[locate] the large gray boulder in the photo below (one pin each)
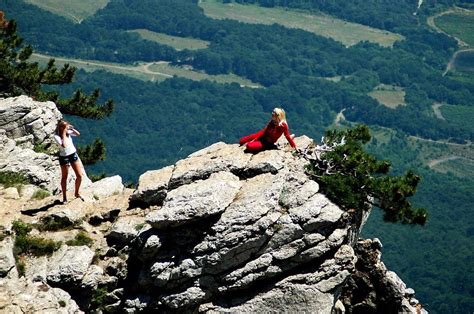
(7, 261)
(28, 121)
(68, 265)
(26, 296)
(238, 232)
(24, 124)
(40, 169)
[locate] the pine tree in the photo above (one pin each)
(354, 179)
(18, 76)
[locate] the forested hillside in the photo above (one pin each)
(313, 77)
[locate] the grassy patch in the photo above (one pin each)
(389, 95)
(340, 30)
(178, 43)
(155, 72)
(55, 224)
(81, 238)
(40, 148)
(40, 194)
(99, 298)
(10, 178)
(461, 116)
(465, 61)
(29, 245)
(96, 177)
(71, 9)
(35, 246)
(464, 77)
(456, 166)
(438, 156)
(459, 24)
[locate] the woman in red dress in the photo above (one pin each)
(266, 138)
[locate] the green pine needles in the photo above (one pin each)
(21, 77)
(18, 76)
(354, 179)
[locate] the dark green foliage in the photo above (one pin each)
(85, 106)
(21, 77)
(21, 228)
(10, 178)
(35, 246)
(435, 260)
(96, 177)
(92, 153)
(18, 76)
(81, 238)
(156, 124)
(55, 224)
(25, 244)
(357, 180)
(99, 298)
(40, 194)
(20, 266)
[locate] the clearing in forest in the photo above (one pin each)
(459, 24)
(154, 71)
(75, 10)
(345, 32)
(389, 95)
(178, 43)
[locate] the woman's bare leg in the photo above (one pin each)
(64, 173)
(76, 166)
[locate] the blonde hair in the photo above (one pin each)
(280, 113)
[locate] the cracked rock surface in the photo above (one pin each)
(239, 232)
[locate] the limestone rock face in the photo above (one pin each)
(28, 121)
(219, 231)
(237, 232)
(25, 296)
(373, 288)
(7, 261)
(39, 168)
(25, 123)
(69, 265)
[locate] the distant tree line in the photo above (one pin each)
(288, 60)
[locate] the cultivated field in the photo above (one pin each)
(459, 24)
(439, 156)
(155, 71)
(340, 30)
(178, 43)
(389, 95)
(460, 115)
(465, 61)
(75, 10)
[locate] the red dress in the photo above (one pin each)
(266, 137)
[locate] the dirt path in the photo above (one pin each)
(431, 22)
(436, 162)
(339, 117)
(437, 112)
(450, 65)
(142, 68)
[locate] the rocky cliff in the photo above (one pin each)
(219, 231)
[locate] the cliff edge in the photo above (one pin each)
(219, 231)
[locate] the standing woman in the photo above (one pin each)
(68, 156)
(266, 138)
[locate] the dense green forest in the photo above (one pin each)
(154, 124)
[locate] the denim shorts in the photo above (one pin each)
(66, 160)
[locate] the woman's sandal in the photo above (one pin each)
(80, 197)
